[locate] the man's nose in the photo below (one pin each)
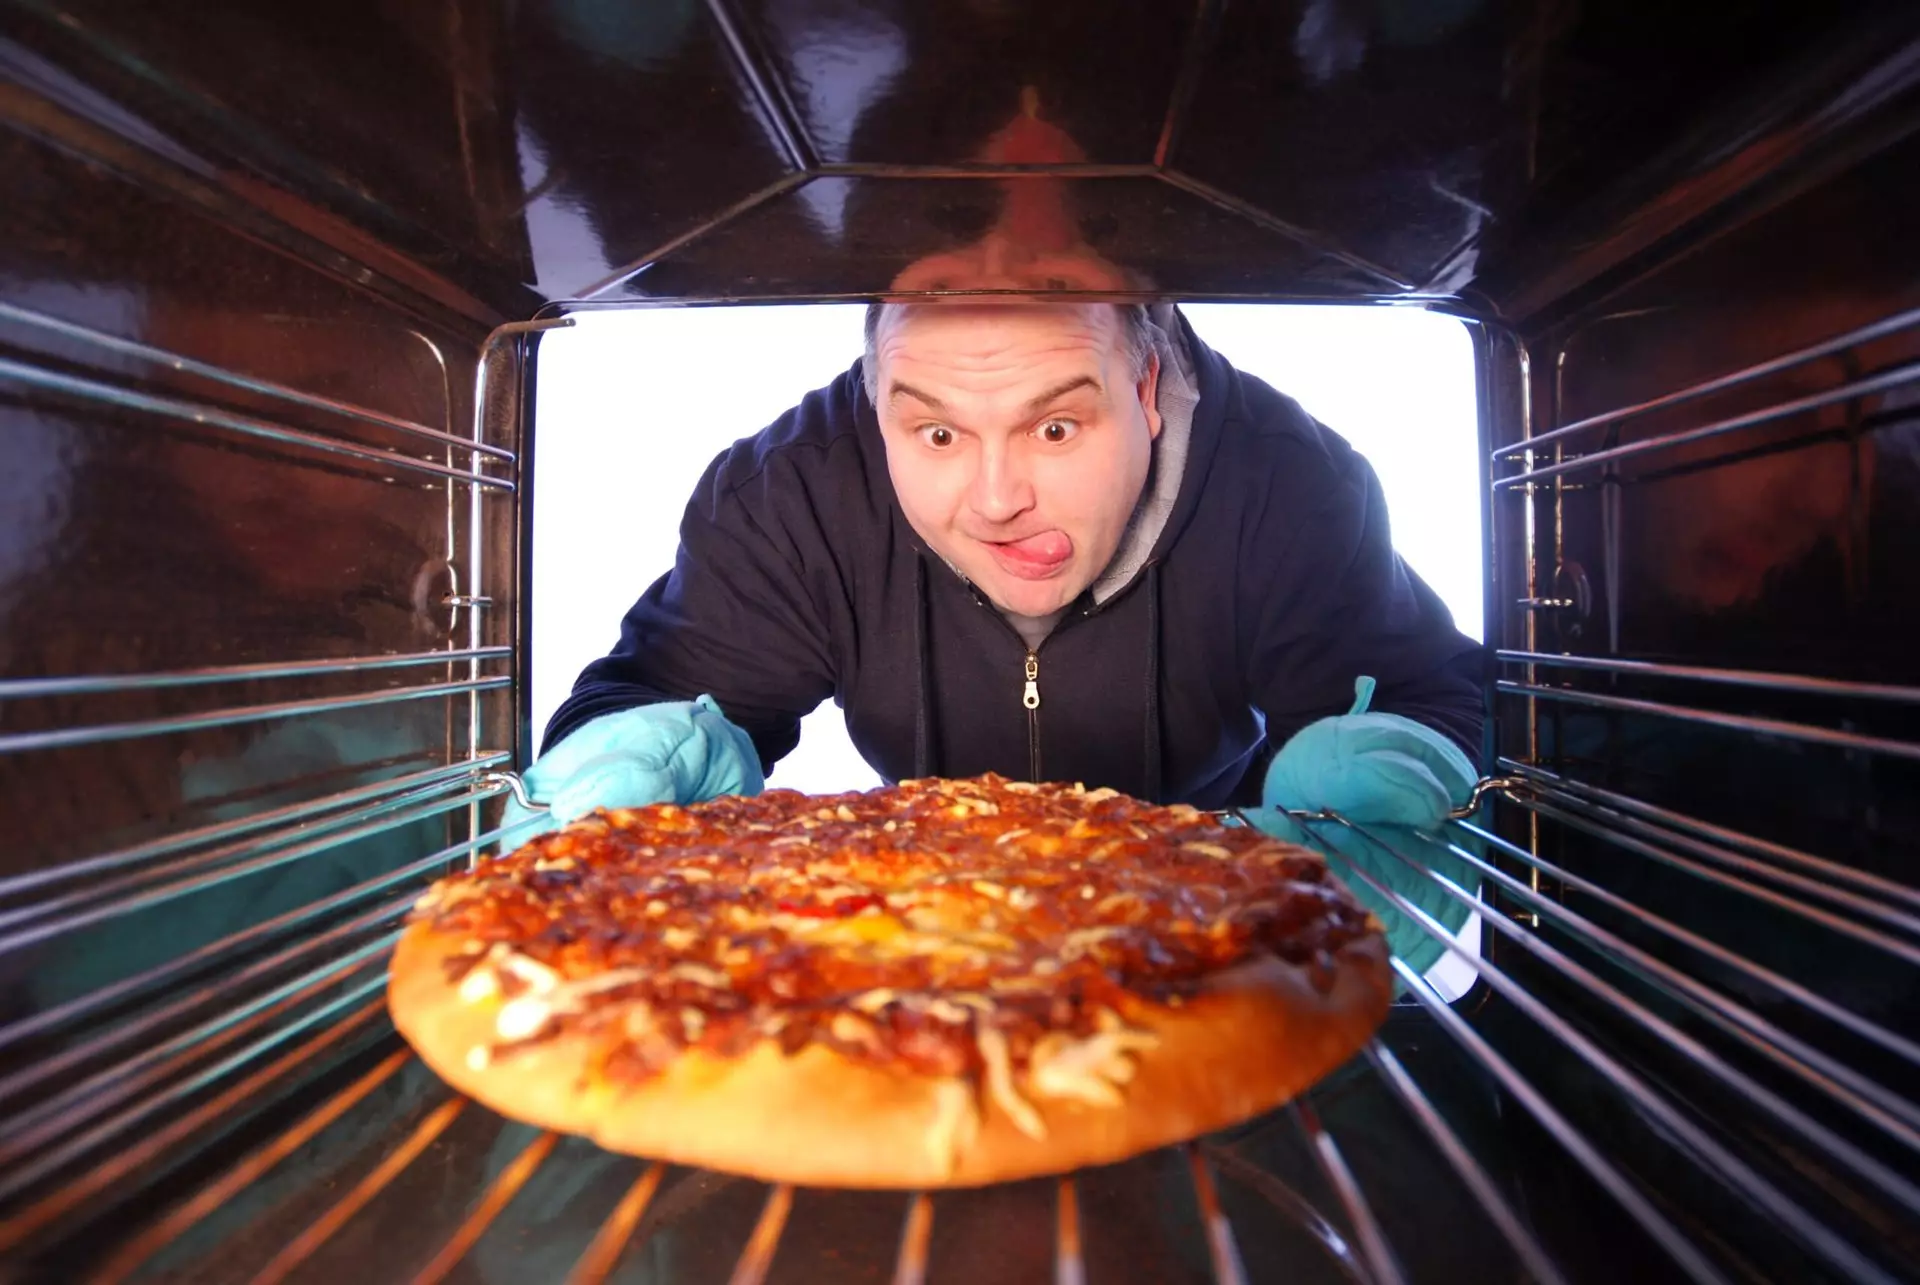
(1002, 485)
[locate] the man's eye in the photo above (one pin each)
(1057, 431)
(938, 436)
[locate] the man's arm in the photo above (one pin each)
(1331, 601)
(733, 620)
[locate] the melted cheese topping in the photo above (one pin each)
(993, 1051)
(955, 1122)
(993, 936)
(1087, 1070)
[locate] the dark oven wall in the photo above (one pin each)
(238, 506)
(1773, 526)
(1713, 665)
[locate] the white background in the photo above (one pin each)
(633, 406)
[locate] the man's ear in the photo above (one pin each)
(1148, 389)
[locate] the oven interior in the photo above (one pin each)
(272, 287)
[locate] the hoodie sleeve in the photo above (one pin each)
(1334, 601)
(733, 619)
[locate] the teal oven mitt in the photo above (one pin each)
(1370, 768)
(1401, 781)
(676, 752)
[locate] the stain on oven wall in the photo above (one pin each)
(1790, 545)
(136, 543)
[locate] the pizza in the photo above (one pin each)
(940, 983)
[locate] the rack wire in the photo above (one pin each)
(81, 388)
(92, 339)
(64, 737)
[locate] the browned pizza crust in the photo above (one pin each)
(1252, 1038)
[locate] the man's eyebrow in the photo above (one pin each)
(931, 402)
(1075, 384)
(1033, 407)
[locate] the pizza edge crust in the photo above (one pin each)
(1256, 1036)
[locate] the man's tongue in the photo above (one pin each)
(1048, 549)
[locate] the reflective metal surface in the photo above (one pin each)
(491, 156)
(970, 234)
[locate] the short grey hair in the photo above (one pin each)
(1136, 340)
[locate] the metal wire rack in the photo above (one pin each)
(1370, 1258)
(153, 1100)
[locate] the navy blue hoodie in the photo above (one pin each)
(1272, 586)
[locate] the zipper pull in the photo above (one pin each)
(1031, 697)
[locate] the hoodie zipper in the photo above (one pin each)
(1030, 673)
(1030, 699)
(1030, 666)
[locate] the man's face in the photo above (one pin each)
(1018, 438)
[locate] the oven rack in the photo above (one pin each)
(1367, 1258)
(622, 1228)
(78, 1143)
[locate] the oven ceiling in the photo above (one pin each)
(1505, 153)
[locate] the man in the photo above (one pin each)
(1055, 540)
(1062, 541)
